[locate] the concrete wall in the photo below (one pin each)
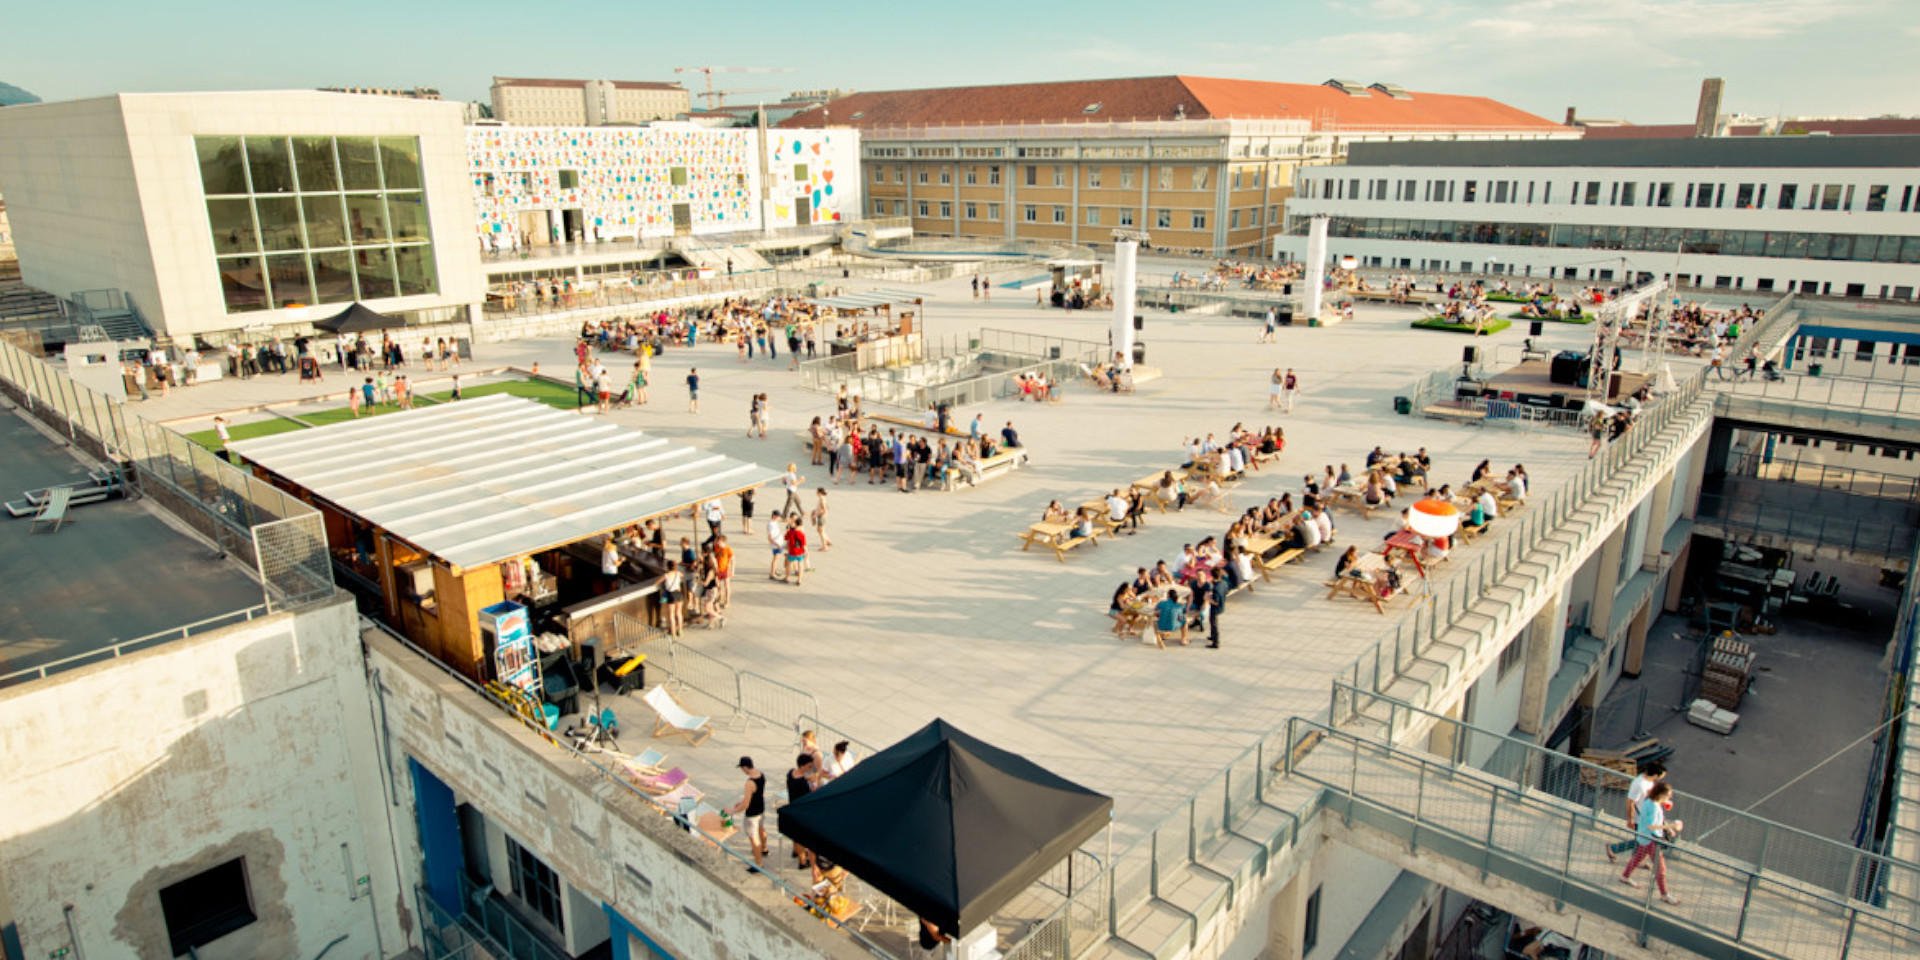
(67, 171)
(129, 775)
(607, 844)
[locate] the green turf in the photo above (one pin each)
(244, 431)
(1499, 297)
(551, 394)
(1552, 317)
(1491, 327)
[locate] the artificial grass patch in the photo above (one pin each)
(1552, 317)
(245, 431)
(1489, 328)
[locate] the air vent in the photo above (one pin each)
(1393, 90)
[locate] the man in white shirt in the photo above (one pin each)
(1117, 510)
(1488, 505)
(1517, 485)
(777, 540)
(1642, 784)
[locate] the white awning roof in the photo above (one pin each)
(488, 479)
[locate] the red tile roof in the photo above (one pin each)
(1162, 98)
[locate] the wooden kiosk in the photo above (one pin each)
(434, 515)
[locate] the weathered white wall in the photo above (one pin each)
(607, 843)
(126, 776)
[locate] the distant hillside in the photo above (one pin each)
(10, 95)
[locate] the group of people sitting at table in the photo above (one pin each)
(1240, 452)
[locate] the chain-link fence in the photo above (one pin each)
(218, 500)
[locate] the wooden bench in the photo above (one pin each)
(1055, 537)
(1281, 559)
(1006, 461)
(54, 510)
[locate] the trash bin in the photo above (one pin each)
(1403, 405)
(1139, 352)
(1813, 370)
(1053, 353)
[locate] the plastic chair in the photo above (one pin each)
(551, 714)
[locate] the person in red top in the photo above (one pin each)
(796, 552)
(723, 568)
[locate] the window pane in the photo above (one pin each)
(232, 222)
(416, 270)
(333, 277)
(367, 219)
(359, 165)
(326, 220)
(373, 268)
(222, 168)
(279, 221)
(241, 283)
(288, 274)
(313, 160)
(272, 169)
(409, 213)
(400, 156)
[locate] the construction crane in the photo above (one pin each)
(713, 96)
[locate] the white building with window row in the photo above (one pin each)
(1835, 216)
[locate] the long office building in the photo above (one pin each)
(570, 103)
(1836, 216)
(1197, 163)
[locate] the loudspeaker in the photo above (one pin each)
(1567, 367)
(1285, 315)
(1536, 328)
(1469, 354)
(1139, 322)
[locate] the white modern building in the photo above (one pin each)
(1818, 215)
(219, 211)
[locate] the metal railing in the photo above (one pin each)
(1832, 393)
(1766, 846)
(121, 648)
(1827, 476)
(1838, 361)
(224, 503)
(1546, 514)
(1749, 520)
(1551, 845)
(483, 930)
(786, 891)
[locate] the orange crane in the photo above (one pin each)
(713, 96)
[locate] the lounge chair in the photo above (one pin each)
(675, 719)
(648, 764)
(680, 799)
(661, 784)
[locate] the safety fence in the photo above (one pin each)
(124, 647)
(1504, 825)
(1749, 520)
(222, 502)
(485, 929)
(1840, 394)
(1769, 465)
(1836, 868)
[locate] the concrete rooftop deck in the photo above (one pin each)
(926, 607)
(92, 583)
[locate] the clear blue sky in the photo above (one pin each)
(1637, 59)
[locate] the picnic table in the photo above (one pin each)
(1054, 535)
(1351, 495)
(1150, 485)
(1409, 543)
(1102, 516)
(1361, 587)
(1260, 546)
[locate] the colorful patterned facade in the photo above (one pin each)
(625, 182)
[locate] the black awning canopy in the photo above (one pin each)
(358, 319)
(948, 826)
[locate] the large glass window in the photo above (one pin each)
(303, 220)
(223, 168)
(271, 168)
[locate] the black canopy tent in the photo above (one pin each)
(358, 319)
(948, 826)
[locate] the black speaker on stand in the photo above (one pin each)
(1469, 354)
(1536, 328)
(1139, 322)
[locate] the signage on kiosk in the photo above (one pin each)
(514, 662)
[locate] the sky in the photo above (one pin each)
(1639, 60)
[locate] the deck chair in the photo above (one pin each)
(661, 784)
(675, 719)
(680, 799)
(648, 764)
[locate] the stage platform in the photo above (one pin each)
(1531, 382)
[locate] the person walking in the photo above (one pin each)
(777, 543)
(792, 480)
(693, 390)
(226, 438)
(1276, 383)
(1273, 323)
(1651, 773)
(1652, 830)
(1290, 385)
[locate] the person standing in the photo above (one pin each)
(800, 783)
(777, 543)
(746, 510)
(796, 544)
(693, 390)
(753, 809)
(1276, 383)
(1652, 830)
(820, 518)
(723, 570)
(1273, 321)
(716, 514)
(976, 286)
(1290, 385)
(1216, 601)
